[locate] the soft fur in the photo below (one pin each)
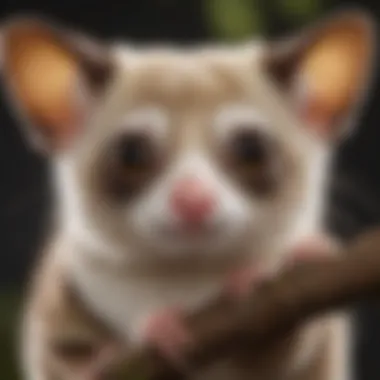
(142, 269)
(193, 94)
(130, 259)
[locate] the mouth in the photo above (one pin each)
(211, 240)
(216, 238)
(190, 231)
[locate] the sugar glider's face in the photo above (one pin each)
(192, 159)
(202, 152)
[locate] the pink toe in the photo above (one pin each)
(313, 248)
(240, 283)
(168, 333)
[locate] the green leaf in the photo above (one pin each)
(233, 19)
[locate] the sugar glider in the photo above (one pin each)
(175, 168)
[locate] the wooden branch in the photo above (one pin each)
(275, 308)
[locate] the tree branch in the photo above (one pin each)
(278, 306)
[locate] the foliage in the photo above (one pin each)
(233, 19)
(236, 19)
(299, 10)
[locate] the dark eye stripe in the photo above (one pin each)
(249, 148)
(253, 161)
(130, 163)
(133, 151)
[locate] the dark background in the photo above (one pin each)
(25, 195)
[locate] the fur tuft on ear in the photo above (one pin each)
(51, 74)
(326, 70)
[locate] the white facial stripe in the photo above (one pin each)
(151, 120)
(229, 200)
(194, 164)
(231, 117)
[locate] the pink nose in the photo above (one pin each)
(192, 201)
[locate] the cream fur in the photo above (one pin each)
(213, 84)
(128, 263)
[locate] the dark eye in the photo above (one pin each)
(253, 161)
(249, 148)
(131, 163)
(133, 151)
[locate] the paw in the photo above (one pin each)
(167, 332)
(102, 363)
(313, 248)
(240, 283)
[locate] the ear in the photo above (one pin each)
(53, 76)
(325, 71)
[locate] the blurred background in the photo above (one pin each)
(25, 194)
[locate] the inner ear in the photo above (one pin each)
(325, 69)
(42, 66)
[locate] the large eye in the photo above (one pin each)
(134, 152)
(249, 149)
(252, 159)
(132, 161)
